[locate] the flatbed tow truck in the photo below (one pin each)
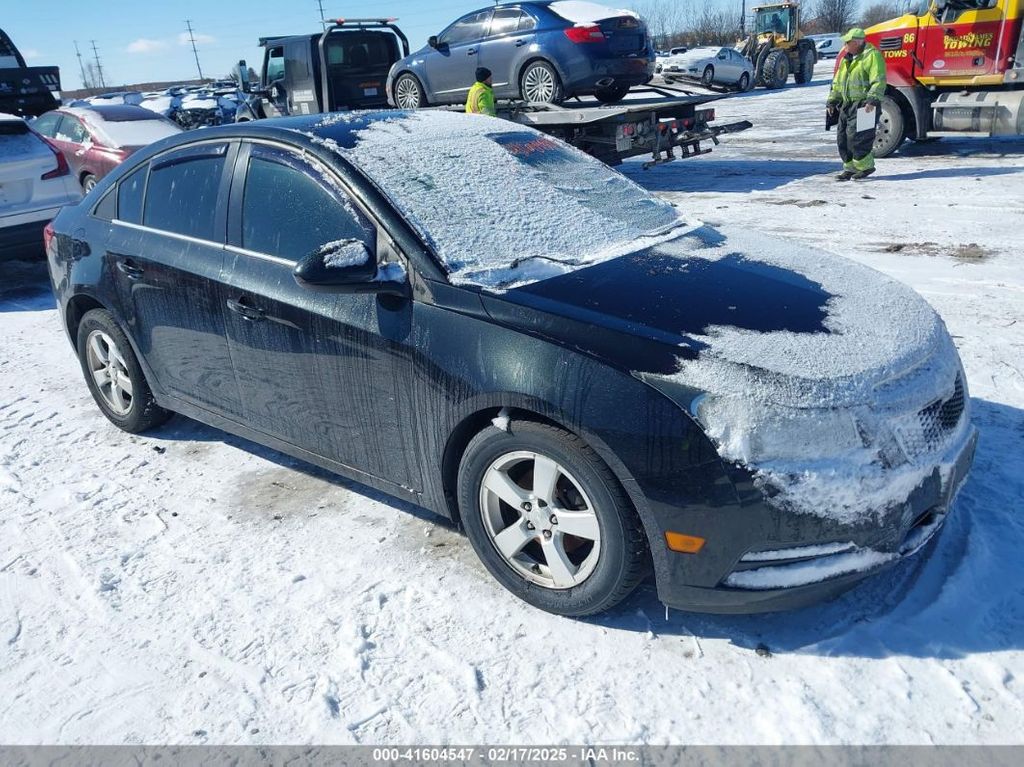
(303, 74)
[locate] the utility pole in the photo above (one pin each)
(99, 67)
(81, 66)
(743, 19)
(323, 22)
(192, 39)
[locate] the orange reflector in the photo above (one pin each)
(685, 544)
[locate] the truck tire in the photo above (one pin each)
(892, 128)
(776, 70)
(409, 93)
(612, 95)
(807, 61)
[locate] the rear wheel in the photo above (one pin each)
(612, 94)
(708, 78)
(88, 182)
(549, 520)
(776, 70)
(114, 376)
(892, 128)
(540, 83)
(807, 61)
(409, 93)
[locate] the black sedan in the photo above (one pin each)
(479, 319)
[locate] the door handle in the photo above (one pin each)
(471, 52)
(129, 269)
(247, 312)
(520, 43)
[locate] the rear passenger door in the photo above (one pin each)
(315, 370)
(507, 47)
(165, 252)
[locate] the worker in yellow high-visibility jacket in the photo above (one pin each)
(481, 97)
(859, 83)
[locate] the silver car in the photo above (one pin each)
(711, 66)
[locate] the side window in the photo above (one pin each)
(181, 196)
(46, 125)
(467, 28)
(275, 64)
(130, 191)
(291, 207)
(106, 208)
(72, 131)
(526, 22)
(505, 20)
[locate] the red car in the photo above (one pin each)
(96, 139)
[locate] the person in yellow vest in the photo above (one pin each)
(481, 97)
(859, 83)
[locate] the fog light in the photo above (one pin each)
(684, 544)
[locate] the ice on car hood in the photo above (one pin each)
(503, 205)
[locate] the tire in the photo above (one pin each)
(541, 84)
(892, 128)
(596, 573)
(776, 70)
(707, 79)
(611, 95)
(103, 346)
(806, 72)
(744, 84)
(88, 182)
(409, 93)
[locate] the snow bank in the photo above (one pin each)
(504, 205)
(831, 421)
(582, 12)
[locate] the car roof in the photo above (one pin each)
(114, 113)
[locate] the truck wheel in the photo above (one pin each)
(409, 92)
(806, 72)
(611, 95)
(549, 520)
(776, 70)
(892, 128)
(540, 83)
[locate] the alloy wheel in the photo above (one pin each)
(540, 520)
(407, 93)
(110, 372)
(539, 84)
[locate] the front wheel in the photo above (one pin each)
(114, 376)
(744, 84)
(708, 78)
(612, 94)
(892, 128)
(409, 93)
(549, 520)
(541, 84)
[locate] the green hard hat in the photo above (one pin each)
(854, 34)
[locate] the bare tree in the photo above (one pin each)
(878, 12)
(711, 25)
(831, 15)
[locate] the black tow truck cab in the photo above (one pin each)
(25, 91)
(344, 67)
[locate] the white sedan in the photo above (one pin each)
(35, 181)
(711, 66)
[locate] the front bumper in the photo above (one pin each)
(774, 560)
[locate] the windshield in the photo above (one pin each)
(774, 21)
(504, 206)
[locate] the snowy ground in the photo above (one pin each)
(189, 587)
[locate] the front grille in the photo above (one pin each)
(890, 43)
(934, 423)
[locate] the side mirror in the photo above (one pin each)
(243, 77)
(348, 266)
(432, 41)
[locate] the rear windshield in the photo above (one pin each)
(504, 207)
(135, 132)
(361, 49)
(17, 141)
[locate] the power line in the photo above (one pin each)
(192, 39)
(99, 66)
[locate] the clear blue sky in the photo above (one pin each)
(139, 41)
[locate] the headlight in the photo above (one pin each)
(756, 432)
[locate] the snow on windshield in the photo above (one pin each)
(582, 12)
(503, 205)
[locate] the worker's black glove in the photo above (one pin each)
(832, 109)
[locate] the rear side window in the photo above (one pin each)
(505, 20)
(181, 196)
(129, 196)
(72, 131)
(290, 207)
(46, 125)
(106, 208)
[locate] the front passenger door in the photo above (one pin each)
(451, 67)
(316, 370)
